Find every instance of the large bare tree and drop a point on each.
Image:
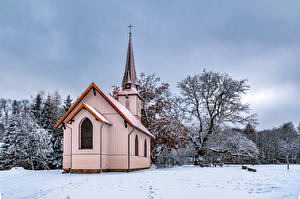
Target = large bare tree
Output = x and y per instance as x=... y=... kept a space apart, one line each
x=159 y=116
x=208 y=101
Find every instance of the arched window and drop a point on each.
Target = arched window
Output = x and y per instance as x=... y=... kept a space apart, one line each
x=145 y=148
x=136 y=145
x=86 y=134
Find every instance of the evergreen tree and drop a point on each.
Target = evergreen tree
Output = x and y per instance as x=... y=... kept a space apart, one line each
x=15 y=107
x=51 y=112
x=47 y=113
x=7 y=153
x=36 y=108
x=67 y=103
x=249 y=131
x=26 y=144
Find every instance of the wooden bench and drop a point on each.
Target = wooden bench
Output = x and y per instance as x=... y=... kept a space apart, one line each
x=220 y=164
x=204 y=164
x=252 y=170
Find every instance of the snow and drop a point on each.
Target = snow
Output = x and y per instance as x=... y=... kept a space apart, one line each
x=137 y=123
x=98 y=114
x=269 y=182
x=132 y=90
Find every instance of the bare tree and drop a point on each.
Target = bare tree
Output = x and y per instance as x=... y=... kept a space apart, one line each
x=5 y=106
x=210 y=100
x=159 y=116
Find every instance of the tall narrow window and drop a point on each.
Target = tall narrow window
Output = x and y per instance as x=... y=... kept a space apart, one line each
x=137 y=106
x=127 y=103
x=145 y=148
x=86 y=134
x=136 y=145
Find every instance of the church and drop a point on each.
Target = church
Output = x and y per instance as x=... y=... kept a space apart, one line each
x=102 y=133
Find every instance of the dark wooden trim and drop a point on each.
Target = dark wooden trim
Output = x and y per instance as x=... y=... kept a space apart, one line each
x=67 y=170
x=94 y=90
x=131 y=95
x=85 y=171
x=123 y=170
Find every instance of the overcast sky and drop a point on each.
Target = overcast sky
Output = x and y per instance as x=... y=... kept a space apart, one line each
x=66 y=45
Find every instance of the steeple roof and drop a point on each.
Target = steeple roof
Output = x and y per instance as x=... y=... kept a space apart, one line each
x=130 y=73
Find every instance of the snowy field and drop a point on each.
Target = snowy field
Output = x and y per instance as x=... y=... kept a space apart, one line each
x=270 y=182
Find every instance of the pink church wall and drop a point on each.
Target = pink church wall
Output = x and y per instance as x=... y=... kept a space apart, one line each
x=139 y=161
x=114 y=140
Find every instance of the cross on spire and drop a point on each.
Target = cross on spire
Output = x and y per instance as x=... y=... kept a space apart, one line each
x=130 y=26
x=129 y=78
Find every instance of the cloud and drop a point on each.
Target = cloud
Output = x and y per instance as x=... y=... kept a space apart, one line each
x=60 y=45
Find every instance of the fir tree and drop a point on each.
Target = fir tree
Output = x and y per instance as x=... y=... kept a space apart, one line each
x=26 y=144
x=47 y=114
x=7 y=153
x=67 y=103
x=15 y=107
x=36 y=108
x=51 y=113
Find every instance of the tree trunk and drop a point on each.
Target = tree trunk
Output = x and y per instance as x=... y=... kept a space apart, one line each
x=31 y=163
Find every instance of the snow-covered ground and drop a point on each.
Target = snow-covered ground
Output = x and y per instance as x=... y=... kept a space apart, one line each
x=186 y=182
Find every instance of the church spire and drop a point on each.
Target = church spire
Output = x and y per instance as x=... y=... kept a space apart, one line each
x=129 y=78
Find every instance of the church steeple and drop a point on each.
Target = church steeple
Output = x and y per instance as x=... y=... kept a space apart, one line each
x=129 y=78
x=129 y=95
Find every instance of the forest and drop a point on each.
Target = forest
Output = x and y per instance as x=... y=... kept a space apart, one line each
x=205 y=123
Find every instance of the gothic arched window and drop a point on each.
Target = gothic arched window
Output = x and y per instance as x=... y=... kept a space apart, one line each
x=86 y=134
x=145 y=148
x=136 y=145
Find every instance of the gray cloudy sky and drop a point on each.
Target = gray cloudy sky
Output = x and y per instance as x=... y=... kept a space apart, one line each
x=65 y=45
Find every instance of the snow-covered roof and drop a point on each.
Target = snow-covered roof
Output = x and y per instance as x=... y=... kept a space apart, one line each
x=132 y=90
x=124 y=112
x=135 y=122
x=98 y=114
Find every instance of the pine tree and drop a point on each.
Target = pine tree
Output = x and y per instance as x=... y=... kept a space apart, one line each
x=15 y=107
x=51 y=112
x=250 y=132
x=7 y=153
x=36 y=108
x=47 y=114
x=67 y=103
x=26 y=144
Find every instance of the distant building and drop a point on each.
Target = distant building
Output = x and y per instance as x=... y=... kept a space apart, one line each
x=105 y=134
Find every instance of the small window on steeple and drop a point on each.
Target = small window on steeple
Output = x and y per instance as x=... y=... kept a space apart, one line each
x=127 y=86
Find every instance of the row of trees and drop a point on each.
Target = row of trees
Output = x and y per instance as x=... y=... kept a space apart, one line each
x=193 y=126
x=199 y=124
x=29 y=139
